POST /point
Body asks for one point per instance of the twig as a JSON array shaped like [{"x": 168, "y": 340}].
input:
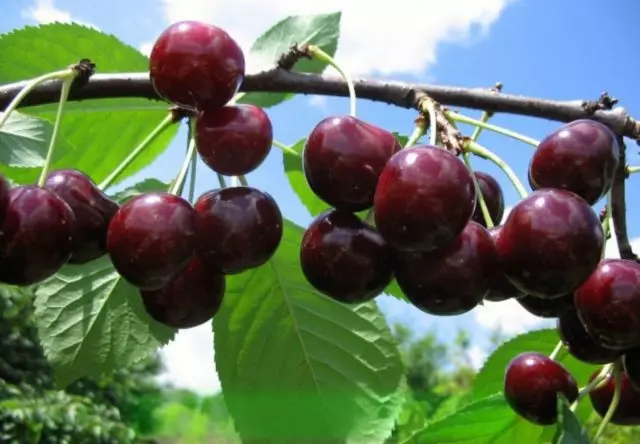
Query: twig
[{"x": 619, "y": 206}]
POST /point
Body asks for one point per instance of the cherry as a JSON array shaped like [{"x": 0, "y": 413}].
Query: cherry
[
  {"x": 579, "y": 342},
  {"x": 151, "y": 239},
  {"x": 493, "y": 197},
  {"x": 196, "y": 65},
  {"x": 608, "y": 303},
  {"x": 424, "y": 199},
  {"x": 532, "y": 384},
  {"x": 92, "y": 210},
  {"x": 546, "y": 308},
  {"x": 627, "y": 412},
  {"x": 451, "y": 280},
  {"x": 36, "y": 235},
  {"x": 239, "y": 228},
  {"x": 550, "y": 243},
  {"x": 192, "y": 298},
  {"x": 631, "y": 361},
  {"x": 343, "y": 159},
  {"x": 501, "y": 288},
  {"x": 345, "y": 258},
  {"x": 4, "y": 196},
  {"x": 580, "y": 156},
  {"x": 234, "y": 140}
]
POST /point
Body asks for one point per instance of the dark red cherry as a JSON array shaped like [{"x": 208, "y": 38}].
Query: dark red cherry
[
  {"x": 493, "y": 197},
  {"x": 501, "y": 288},
  {"x": 546, "y": 308},
  {"x": 580, "y": 343},
  {"x": 628, "y": 411},
  {"x": 151, "y": 239},
  {"x": 580, "y": 156},
  {"x": 192, "y": 298},
  {"x": 92, "y": 210},
  {"x": 451, "y": 280},
  {"x": 345, "y": 258},
  {"x": 343, "y": 159},
  {"x": 196, "y": 65},
  {"x": 631, "y": 360},
  {"x": 608, "y": 303},
  {"x": 532, "y": 384},
  {"x": 4, "y": 196},
  {"x": 424, "y": 199},
  {"x": 36, "y": 236},
  {"x": 550, "y": 243},
  {"x": 233, "y": 140},
  {"x": 239, "y": 228}
]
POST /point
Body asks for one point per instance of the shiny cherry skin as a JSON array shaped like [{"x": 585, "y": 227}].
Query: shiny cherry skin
[
  {"x": 608, "y": 303},
  {"x": 151, "y": 239},
  {"x": 233, "y": 140},
  {"x": 92, "y": 209},
  {"x": 424, "y": 199},
  {"x": 501, "y": 288},
  {"x": 546, "y": 308},
  {"x": 580, "y": 156},
  {"x": 631, "y": 361},
  {"x": 493, "y": 197},
  {"x": 343, "y": 158},
  {"x": 239, "y": 228},
  {"x": 344, "y": 258},
  {"x": 451, "y": 280},
  {"x": 532, "y": 383},
  {"x": 628, "y": 411},
  {"x": 550, "y": 243},
  {"x": 196, "y": 65},
  {"x": 192, "y": 298},
  {"x": 4, "y": 196},
  {"x": 579, "y": 342},
  {"x": 36, "y": 236}
]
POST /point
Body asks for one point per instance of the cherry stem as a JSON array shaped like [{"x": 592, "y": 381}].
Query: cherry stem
[
  {"x": 417, "y": 133},
  {"x": 617, "y": 377},
  {"x": 243, "y": 180},
  {"x": 64, "y": 94},
  {"x": 592, "y": 385},
  {"x": 633, "y": 169},
  {"x": 221, "y": 180},
  {"x": 607, "y": 222},
  {"x": 34, "y": 83},
  {"x": 497, "y": 129},
  {"x": 486, "y": 115},
  {"x": 285, "y": 148},
  {"x": 319, "y": 54},
  {"x": 480, "y": 151},
  {"x": 194, "y": 162},
  {"x": 168, "y": 120},
  {"x": 556, "y": 350},
  {"x": 481, "y": 201},
  {"x": 178, "y": 183},
  {"x": 433, "y": 123}
]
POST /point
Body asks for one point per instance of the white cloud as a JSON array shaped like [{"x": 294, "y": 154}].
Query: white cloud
[
  {"x": 45, "y": 11},
  {"x": 320, "y": 102},
  {"x": 146, "y": 48},
  {"x": 378, "y": 37},
  {"x": 508, "y": 316},
  {"x": 477, "y": 355}
]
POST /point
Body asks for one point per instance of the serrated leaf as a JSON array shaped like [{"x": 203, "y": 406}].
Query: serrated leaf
[
  {"x": 296, "y": 366},
  {"x": 145, "y": 186},
  {"x": 91, "y": 321},
  {"x": 569, "y": 429},
  {"x": 24, "y": 142},
  {"x": 393, "y": 289},
  {"x": 402, "y": 139},
  {"x": 103, "y": 138},
  {"x": 322, "y": 30}
]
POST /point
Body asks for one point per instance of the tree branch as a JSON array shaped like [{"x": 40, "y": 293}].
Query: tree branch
[{"x": 618, "y": 206}]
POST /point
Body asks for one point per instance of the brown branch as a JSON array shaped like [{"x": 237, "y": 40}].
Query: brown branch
[{"x": 619, "y": 206}]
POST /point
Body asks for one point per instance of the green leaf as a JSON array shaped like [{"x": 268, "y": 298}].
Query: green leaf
[
  {"x": 322, "y": 30},
  {"x": 102, "y": 137},
  {"x": 296, "y": 366},
  {"x": 91, "y": 321},
  {"x": 24, "y": 142},
  {"x": 402, "y": 139},
  {"x": 570, "y": 431},
  {"x": 393, "y": 289},
  {"x": 145, "y": 186}
]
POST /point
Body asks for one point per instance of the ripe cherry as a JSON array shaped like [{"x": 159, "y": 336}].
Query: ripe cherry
[
  {"x": 546, "y": 308},
  {"x": 532, "y": 384},
  {"x": 343, "y": 159},
  {"x": 550, "y": 243},
  {"x": 627, "y": 412},
  {"x": 192, "y": 298},
  {"x": 580, "y": 156},
  {"x": 233, "y": 140},
  {"x": 92, "y": 209},
  {"x": 608, "y": 303},
  {"x": 345, "y": 258},
  {"x": 451, "y": 280},
  {"x": 631, "y": 360},
  {"x": 196, "y": 65},
  {"x": 424, "y": 199},
  {"x": 580, "y": 343},
  {"x": 493, "y": 197},
  {"x": 151, "y": 239},
  {"x": 239, "y": 228},
  {"x": 36, "y": 236},
  {"x": 501, "y": 288}
]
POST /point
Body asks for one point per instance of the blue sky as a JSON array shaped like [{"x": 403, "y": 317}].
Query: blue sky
[{"x": 556, "y": 49}]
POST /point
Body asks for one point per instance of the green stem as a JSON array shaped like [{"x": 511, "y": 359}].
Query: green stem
[
  {"x": 554, "y": 353},
  {"x": 584, "y": 392},
  {"x": 194, "y": 162},
  {"x": 221, "y": 180},
  {"x": 178, "y": 183},
  {"x": 64, "y": 94},
  {"x": 243, "y": 180},
  {"x": 497, "y": 129},
  {"x": 479, "y": 150},
  {"x": 633, "y": 169},
  {"x": 319, "y": 54},
  {"x": 417, "y": 133},
  {"x": 478, "y": 129},
  {"x": 481, "y": 201},
  {"x": 56, "y": 75},
  {"x": 606, "y": 223},
  {"x": 433, "y": 123},
  {"x": 614, "y": 402},
  {"x": 285, "y": 148},
  {"x": 168, "y": 120}
]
